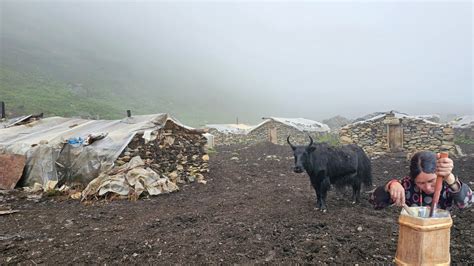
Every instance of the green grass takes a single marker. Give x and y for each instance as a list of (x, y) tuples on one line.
[(38, 70), (211, 151), (463, 140), (34, 93), (25, 93), (331, 139)]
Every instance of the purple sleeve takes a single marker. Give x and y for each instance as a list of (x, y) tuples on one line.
[(462, 198)]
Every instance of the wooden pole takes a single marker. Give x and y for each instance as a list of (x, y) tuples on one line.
[(2, 109), (438, 186)]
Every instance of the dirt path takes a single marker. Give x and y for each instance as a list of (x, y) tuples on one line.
[(252, 210)]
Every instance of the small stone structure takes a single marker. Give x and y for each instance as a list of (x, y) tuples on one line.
[(225, 134), (464, 127), (175, 151), (394, 132), (276, 130), (272, 129)]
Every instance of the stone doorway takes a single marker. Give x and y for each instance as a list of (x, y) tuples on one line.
[(273, 135), (395, 138)]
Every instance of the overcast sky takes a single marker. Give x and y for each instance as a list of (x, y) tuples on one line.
[(313, 59)]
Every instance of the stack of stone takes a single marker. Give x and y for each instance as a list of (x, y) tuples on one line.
[(173, 151)]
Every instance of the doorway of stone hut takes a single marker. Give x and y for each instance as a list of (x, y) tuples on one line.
[(395, 138), (273, 135)]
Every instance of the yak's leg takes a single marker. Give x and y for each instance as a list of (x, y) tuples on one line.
[(356, 191), (356, 184), (317, 188), (325, 185)]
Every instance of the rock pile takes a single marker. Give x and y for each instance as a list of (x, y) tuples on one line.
[(173, 151)]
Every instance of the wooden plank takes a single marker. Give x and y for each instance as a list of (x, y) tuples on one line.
[(8, 212), (395, 138), (273, 135), (11, 169)]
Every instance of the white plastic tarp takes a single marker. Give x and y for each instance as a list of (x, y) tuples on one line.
[(466, 121), (131, 177), (230, 128), (301, 124), (43, 142)]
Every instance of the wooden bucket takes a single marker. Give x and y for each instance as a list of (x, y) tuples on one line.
[(423, 240)]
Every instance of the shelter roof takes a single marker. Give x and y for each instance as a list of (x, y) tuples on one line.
[(230, 128), (466, 121), (396, 114), (301, 124), (56, 130)]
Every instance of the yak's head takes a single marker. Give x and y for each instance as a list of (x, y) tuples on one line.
[(301, 154)]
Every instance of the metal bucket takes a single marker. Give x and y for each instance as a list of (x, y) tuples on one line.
[(424, 240), (424, 212)]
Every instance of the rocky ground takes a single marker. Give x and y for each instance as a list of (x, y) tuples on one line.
[(253, 209)]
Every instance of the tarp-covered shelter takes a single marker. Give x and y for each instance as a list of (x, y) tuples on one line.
[(59, 148), (277, 129), (394, 132)]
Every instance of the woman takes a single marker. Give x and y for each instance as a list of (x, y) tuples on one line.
[(418, 188)]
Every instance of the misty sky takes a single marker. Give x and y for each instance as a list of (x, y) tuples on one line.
[(290, 59)]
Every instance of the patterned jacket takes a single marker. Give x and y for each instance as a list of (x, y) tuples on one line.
[(416, 197)]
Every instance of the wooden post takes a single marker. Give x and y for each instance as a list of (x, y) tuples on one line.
[(438, 187), (2, 109), (129, 113)]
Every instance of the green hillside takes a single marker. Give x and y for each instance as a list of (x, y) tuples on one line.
[(33, 93), (26, 93), (55, 66)]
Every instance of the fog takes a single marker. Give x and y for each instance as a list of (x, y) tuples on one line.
[(312, 59)]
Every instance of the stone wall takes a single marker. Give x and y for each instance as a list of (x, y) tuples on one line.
[(175, 152), (417, 135), (297, 137), (466, 133), (227, 138), (262, 134)]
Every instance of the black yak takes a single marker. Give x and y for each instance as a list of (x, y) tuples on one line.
[(347, 165)]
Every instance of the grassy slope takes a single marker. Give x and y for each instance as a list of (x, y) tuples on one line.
[(36, 75), (26, 93)]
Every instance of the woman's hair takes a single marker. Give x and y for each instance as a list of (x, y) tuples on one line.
[(423, 161)]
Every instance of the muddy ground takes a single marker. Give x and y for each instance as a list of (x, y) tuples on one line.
[(252, 210)]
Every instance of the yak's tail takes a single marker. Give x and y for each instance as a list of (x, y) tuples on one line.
[(365, 169)]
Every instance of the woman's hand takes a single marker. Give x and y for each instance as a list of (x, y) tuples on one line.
[(397, 193), (444, 168)]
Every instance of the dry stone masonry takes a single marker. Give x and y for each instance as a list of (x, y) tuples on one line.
[(174, 151), (391, 133), (227, 138), (262, 134), (270, 130)]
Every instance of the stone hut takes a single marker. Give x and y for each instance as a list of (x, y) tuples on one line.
[(395, 132), (277, 129), (464, 127), (226, 134)]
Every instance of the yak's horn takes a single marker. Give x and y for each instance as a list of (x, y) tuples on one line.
[(288, 140)]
